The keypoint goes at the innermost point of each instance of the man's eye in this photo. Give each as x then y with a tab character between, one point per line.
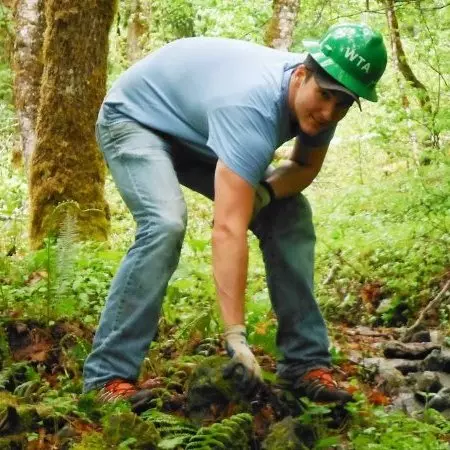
325	94
345	105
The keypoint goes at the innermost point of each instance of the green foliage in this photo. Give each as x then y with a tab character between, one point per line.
6	41
64	279
231	433
127	431
12	375
397	431
91	441
172	20
174	431
381	208
239	19
394	235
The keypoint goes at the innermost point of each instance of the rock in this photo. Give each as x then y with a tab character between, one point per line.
391	381
384	306
444	379
437	360
426	383
441	400
437	337
413	350
421	336
284	435
407	403
405	366
207	387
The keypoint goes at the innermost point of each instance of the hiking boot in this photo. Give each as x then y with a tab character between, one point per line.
118	389
319	386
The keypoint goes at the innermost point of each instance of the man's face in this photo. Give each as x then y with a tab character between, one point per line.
315	108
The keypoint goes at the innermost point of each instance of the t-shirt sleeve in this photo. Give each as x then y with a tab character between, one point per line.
319	140
243	138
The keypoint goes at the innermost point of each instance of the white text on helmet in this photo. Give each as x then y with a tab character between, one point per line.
351	55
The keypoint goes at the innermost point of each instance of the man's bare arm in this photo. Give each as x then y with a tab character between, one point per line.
296	174
233	205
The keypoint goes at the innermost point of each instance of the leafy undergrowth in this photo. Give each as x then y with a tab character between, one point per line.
191	407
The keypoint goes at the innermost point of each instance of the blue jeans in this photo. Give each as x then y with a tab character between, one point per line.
148	169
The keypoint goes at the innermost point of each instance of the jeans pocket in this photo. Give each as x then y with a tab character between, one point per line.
130	139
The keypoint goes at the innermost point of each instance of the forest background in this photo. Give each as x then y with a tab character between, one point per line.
381	202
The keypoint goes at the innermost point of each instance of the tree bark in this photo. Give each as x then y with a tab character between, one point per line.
400	57
27	66
66	166
137	27
281	27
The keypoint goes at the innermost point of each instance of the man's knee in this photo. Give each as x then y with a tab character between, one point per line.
167	227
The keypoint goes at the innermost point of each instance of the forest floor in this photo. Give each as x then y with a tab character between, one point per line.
41	405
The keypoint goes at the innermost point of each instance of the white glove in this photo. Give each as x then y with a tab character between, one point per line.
243	368
263	196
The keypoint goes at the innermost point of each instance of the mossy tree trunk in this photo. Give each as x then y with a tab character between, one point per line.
281	26
66	165
29	21
137	28
400	57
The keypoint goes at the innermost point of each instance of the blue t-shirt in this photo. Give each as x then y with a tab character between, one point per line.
224	98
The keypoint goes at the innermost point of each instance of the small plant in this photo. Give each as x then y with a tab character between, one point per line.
231	434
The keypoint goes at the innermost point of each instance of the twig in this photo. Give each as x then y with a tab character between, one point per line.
357	332
330	275
433	304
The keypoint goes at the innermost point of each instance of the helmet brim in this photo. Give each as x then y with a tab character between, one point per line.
327	64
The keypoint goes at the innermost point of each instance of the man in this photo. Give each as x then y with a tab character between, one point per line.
209	114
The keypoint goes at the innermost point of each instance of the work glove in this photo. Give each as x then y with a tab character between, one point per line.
263	196
243	367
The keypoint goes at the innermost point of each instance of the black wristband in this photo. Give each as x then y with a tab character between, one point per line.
269	188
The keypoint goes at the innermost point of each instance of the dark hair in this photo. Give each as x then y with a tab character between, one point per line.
309	74
311	67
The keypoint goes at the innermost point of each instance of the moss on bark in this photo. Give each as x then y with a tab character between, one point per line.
66	164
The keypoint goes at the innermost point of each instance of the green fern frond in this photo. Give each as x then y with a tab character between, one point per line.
174	442
9	374
167	424
231	434
198	323
175	431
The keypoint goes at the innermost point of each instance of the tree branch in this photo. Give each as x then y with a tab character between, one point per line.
433	304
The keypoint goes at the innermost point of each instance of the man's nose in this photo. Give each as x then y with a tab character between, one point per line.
329	111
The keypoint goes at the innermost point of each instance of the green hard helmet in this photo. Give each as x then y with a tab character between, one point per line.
352	54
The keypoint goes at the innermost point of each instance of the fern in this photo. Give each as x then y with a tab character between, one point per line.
231	434
201	322
60	260
174	431
174	442
10	376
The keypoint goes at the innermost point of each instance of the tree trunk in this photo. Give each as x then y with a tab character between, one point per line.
402	69
137	27
27	66
400	57
66	166
281	26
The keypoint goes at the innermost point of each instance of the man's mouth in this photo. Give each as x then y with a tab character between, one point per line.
320	123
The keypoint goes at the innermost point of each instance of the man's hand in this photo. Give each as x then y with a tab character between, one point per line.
263	196
243	368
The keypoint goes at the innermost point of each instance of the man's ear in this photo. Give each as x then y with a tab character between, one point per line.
299	75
